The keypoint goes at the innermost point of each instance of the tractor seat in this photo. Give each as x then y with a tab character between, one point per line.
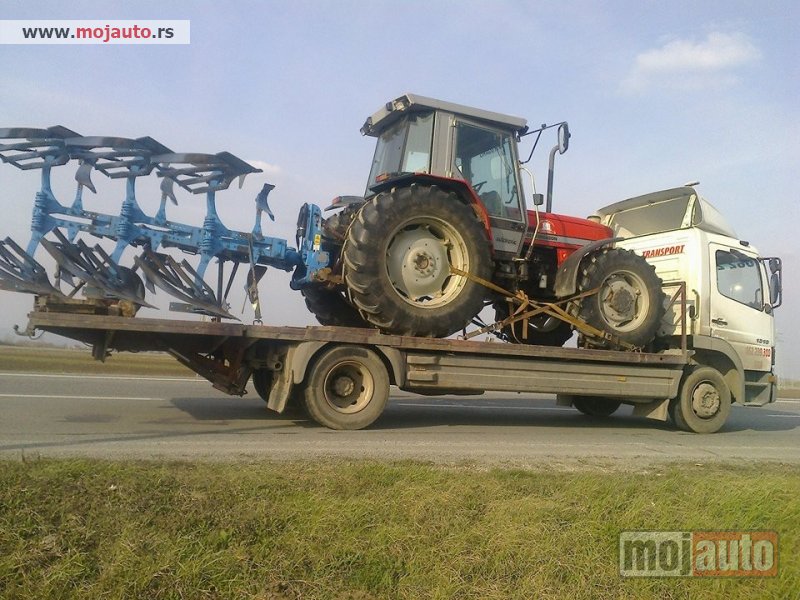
493	203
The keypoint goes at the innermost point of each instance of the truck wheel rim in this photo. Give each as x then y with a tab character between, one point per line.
624	301
418	261
348	387
705	400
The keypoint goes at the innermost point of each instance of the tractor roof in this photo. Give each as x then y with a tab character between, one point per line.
395	109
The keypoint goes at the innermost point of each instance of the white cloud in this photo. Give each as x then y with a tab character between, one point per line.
686	64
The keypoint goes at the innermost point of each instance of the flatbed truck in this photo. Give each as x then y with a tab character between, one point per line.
342	375
715	344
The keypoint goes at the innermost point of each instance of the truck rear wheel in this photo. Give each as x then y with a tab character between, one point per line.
397	260
262	382
704	402
629	303
596	407
331	308
347	387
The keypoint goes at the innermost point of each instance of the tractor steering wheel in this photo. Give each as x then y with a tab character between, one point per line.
477	186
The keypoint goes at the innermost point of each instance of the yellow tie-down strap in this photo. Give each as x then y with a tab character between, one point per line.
524	309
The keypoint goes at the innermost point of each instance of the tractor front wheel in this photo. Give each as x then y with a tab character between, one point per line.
628	303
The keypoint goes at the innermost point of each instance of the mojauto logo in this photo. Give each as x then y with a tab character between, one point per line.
698	553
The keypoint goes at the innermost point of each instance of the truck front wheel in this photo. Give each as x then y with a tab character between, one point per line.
347	387
704	402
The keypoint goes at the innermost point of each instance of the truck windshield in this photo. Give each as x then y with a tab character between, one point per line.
405	147
739	278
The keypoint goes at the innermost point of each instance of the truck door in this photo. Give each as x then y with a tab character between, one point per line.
739	300
486	159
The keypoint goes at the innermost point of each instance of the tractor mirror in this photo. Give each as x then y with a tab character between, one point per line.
563	137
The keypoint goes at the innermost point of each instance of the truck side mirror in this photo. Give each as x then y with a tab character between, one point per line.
538	199
775	282
563	137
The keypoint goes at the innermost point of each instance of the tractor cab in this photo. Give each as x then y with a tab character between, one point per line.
470	151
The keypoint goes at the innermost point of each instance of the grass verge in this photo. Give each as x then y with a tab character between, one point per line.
28	359
95	529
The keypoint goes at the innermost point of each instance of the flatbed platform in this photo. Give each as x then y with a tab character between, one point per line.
143	334
358	365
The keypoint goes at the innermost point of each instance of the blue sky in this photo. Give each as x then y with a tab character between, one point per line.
656	94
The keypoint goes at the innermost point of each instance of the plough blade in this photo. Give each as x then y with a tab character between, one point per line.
20	272
96	268
182	282
56	224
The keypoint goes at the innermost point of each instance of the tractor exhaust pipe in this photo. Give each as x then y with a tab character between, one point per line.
560	147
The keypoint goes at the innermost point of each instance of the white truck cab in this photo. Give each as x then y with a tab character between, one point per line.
731	290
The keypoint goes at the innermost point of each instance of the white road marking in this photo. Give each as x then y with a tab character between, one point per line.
197	379
786	416
56	397
495	407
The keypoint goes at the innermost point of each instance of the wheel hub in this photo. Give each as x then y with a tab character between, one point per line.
620	301
348	387
705	400
418	264
343	386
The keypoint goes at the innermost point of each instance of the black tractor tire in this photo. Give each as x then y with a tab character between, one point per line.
630	302
397	260
704	402
331	308
596	407
346	387
544	331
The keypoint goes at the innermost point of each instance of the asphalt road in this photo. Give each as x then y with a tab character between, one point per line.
168	418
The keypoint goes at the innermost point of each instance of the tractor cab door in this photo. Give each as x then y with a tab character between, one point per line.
486	158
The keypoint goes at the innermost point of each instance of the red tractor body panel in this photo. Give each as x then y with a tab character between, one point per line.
565	234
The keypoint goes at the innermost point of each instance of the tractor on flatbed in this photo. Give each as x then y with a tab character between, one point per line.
444	213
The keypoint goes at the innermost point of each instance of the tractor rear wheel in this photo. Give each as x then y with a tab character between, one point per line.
398	257
629	303
543	330
331	308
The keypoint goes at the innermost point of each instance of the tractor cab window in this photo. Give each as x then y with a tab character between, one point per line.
739	278
485	159
405	147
